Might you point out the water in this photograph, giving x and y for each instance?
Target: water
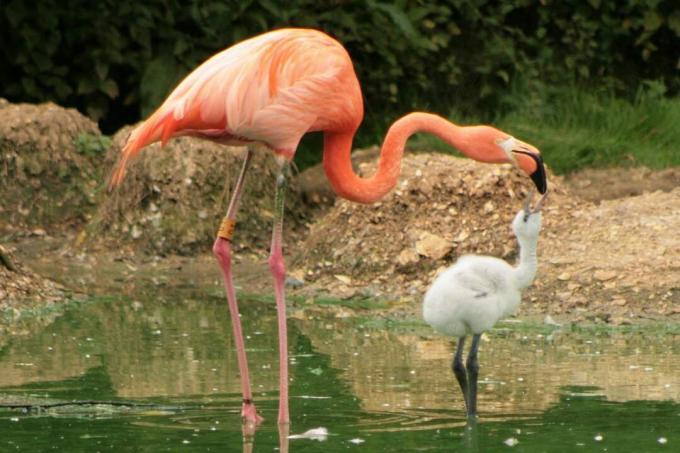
(373, 388)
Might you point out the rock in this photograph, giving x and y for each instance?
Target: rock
(433, 246)
(293, 282)
(407, 256)
(463, 235)
(564, 276)
(344, 279)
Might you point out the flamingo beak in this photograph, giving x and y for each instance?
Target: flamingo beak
(515, 150)
(538, 175)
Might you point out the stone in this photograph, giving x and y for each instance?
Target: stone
(603, 275)
(433, 246)
(407, 256)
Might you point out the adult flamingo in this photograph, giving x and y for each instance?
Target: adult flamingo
(271, 90)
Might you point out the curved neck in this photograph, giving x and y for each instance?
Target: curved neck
(528, 263)
(338, 147)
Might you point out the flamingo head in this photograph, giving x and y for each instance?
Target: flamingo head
(488, 144)
(526, 157)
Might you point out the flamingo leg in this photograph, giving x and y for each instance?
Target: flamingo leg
(278, 270)
(459, 369)
(222, 251)
(473, 372)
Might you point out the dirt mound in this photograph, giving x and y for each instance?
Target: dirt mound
(20, 286)
(48, 165)
(173, 199)
(442, 207)
(616, 259)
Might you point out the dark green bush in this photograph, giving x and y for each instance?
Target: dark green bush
(116, 60)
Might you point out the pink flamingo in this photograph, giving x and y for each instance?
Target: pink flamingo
(271, 90)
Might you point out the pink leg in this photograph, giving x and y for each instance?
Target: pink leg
(279, 273)
(222, 252)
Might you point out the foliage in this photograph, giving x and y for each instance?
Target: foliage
(116, 60)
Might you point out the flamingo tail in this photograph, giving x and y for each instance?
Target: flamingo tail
(160, 126)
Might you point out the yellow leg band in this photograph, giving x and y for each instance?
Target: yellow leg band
(226, 230)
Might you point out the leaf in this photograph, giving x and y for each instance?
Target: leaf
(503, 75)
(674, 22)
(102, 69)
(97, 107)
(30, 87)
(271, 7)
(110, 88)
(158, 78)
(402, 21)
(42, 61)
(86, 86)
(652, 21)
(15, 12)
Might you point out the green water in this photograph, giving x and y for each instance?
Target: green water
(374, 389)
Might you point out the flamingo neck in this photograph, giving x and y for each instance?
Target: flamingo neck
(528, 263)
(338, 147)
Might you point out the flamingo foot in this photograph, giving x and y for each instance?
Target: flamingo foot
(249, 414)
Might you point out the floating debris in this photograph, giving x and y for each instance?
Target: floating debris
(511, 441)
(662, 440)
(598, 437)
(320, 434)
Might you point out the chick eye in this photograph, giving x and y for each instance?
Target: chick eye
(525, 218)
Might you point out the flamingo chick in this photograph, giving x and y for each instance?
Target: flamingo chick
(471, 296)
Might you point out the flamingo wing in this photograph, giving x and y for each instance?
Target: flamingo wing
(482, 276)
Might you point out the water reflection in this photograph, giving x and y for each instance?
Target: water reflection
(376, 388)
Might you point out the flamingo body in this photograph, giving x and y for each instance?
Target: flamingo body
(470, 297)
(271, 89)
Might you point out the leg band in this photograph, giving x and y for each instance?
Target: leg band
(226, 230)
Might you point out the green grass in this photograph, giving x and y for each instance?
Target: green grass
(577, 129)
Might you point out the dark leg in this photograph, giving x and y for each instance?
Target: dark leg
(473, 372)
(459, 369)
(222, 252)
(278, 270)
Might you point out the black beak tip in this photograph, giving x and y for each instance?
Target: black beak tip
(539, 176)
